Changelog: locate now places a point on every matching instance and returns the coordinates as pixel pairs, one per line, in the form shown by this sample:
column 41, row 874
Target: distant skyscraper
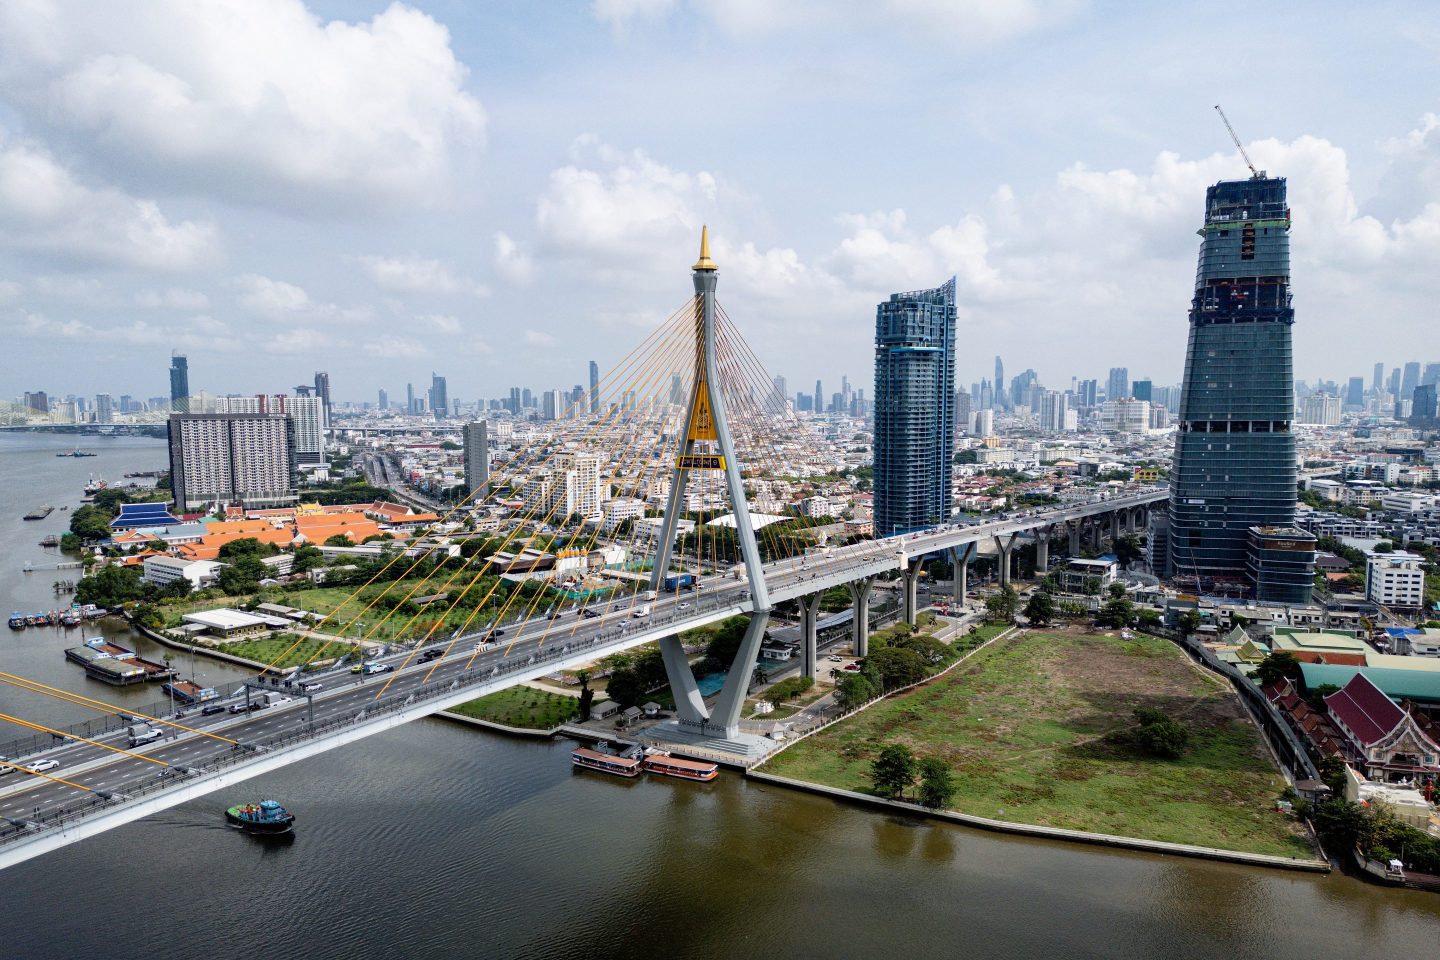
column 384, row 400
column 322, row 390
column 999, row 386
column 1378, row 380
column 439, row 399
column 782, row 393
column 1143, row 390
column 477, row 460
column 1089, row 394
column 551, row 405
column 1053, row 407
column 1410, row 379
column 819, row 398
column 1355, row 392
column 1392, row 382
column 1423, row 405
column 1118, row 386
column 594, row 387
column 1431, row 376
column 410, row 399
column 677, row 393
column 1234, row 466
column 104, row 408
column 37, row 402
column 179, row 383
column 962, row 410
column 914, row 409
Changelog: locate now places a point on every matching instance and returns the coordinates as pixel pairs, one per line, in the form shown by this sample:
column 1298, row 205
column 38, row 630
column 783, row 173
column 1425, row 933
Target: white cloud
column 282, row 302
column 513, row 264
column 173, row 298
column 258, row 99
column 417, row 275
column 441, row 323
column 197, row 332
column 395, row 348
column 46, row 211
column 962, row 22
column 10, row 291
column 536, row 338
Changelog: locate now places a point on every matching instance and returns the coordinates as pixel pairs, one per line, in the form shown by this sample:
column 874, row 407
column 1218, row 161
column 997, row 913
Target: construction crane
column 1257, row 174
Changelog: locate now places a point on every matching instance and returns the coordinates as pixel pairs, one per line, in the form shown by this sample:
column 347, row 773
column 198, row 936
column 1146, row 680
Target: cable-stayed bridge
column 689, row 419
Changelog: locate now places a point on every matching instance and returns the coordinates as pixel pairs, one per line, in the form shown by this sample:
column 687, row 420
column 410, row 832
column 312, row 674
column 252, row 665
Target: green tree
column 896, row 667
column 148, row 615
column 241, row 575
column 932, row 651
column 337, row 540
column 1160, row 735
column 1040, row 608
column 1128, row 550
column 1000, row 607
column 937, row 784
column 893, row 771
column 1276, row 667
column 1118, row 612
column 110, row 586
column 90, row 523
column 1189, row 622
column 1117, row 590
column 587, row 696
column 307, row 558
column 852, row 690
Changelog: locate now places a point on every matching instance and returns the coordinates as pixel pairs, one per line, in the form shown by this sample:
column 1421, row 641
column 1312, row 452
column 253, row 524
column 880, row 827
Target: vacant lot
column 286, row 647
column 1035, row 729
column 523, row 707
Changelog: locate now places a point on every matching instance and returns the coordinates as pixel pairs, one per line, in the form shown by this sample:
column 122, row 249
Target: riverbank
column 1035, row 732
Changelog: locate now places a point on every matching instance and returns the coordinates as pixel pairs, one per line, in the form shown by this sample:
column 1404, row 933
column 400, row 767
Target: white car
column 835, row 658
column 40, row 766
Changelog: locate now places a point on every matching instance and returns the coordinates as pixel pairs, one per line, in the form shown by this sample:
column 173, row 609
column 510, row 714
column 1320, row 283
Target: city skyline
column 145, row 246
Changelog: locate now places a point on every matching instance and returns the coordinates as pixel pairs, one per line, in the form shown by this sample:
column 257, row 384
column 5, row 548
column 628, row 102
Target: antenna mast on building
column 1256, row 174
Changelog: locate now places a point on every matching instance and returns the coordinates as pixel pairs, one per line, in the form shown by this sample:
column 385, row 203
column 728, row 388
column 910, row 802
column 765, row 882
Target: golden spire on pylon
column 705, row 263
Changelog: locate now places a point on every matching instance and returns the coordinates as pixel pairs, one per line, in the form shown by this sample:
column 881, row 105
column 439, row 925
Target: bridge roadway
column 40, row 815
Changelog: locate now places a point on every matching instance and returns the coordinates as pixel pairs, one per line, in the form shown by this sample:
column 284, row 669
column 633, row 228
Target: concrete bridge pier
column 1075, row 527
column 1116, row 525
column 1042, row 551
column 1006, row 547
column 689, row 703
column 960, row 558
column 910, row 582
column 809, row 627
column 860, row 598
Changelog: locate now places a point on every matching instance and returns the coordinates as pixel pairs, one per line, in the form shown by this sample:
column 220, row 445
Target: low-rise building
column 1395, row 579
column 161, row 569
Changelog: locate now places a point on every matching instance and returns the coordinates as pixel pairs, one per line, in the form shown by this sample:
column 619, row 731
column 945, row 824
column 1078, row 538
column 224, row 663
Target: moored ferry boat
column 606, row 762
column 266, row 817
column 662, row 762
column 17, row 621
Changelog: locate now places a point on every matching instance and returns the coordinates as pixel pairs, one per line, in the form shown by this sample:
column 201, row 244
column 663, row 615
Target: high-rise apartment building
column 1143, row 390
column 104, row 408
column 477, row 460
column 914, row 409
column 1377, row 380
column 572, row 489
column 782, row 394
column 305, row 412
column 1321, row 410
column 383, row 400
column 322, row 390
column 1117, row 386
column 552, row 405
column 1234, row 465
column 1053, row 409
column 228, row 457
column 439, row 398
column 594, row 387
column 179, row 383
column 410, row 407
column 962, row 410
column 37, row 402
column 1423, row 405
column 1355, row 392
column 1126, row 415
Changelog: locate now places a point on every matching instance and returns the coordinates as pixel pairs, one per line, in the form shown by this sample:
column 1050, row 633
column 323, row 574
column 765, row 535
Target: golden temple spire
column 705, row 263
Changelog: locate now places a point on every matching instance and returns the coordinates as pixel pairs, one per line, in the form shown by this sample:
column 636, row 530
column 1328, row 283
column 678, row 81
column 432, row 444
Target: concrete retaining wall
column 1049, row 833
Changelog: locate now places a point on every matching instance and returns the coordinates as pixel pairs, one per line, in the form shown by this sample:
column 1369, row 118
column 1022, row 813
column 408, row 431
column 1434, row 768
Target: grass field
column 523, row 707
column 266, row 649
column 1034, row 729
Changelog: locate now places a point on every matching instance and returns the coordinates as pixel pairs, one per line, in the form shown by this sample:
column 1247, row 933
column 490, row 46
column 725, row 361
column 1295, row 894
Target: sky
column 502, row 191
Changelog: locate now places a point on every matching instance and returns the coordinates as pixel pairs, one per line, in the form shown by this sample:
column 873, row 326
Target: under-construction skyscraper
column 1234, row 466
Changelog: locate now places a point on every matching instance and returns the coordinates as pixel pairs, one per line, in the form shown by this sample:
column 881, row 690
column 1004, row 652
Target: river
column 437, row 841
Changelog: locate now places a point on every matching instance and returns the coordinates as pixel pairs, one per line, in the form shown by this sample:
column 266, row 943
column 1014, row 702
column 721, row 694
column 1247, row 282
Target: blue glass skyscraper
column 1234, row 463
column 914, row 409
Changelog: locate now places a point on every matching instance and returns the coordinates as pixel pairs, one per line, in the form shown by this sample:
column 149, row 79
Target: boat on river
column 667, row 764
column 77, row 452
column 17, row 621
column 266, row 818
column 40, row 512
column 626, row 764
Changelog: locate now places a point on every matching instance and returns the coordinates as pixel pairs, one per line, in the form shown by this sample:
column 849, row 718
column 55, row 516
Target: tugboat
column 267, row 818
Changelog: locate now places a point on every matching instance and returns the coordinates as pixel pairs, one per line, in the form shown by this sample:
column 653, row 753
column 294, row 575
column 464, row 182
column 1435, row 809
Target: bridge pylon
column 709, row 446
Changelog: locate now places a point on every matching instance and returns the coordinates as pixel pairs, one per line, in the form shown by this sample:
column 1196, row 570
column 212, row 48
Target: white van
column 143, row 733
